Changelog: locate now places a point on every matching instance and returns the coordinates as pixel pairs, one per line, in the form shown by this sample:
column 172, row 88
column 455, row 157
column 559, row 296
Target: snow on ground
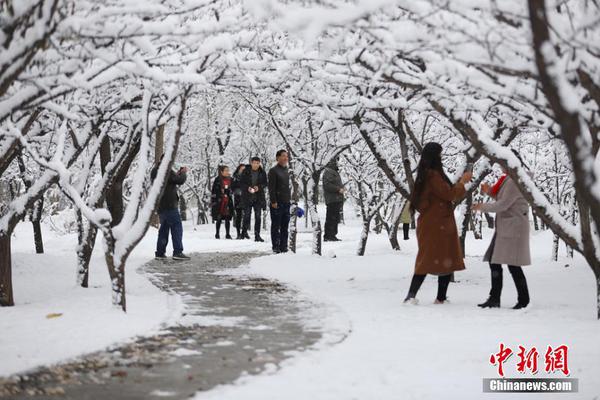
column 397, row 351
column 391, row 350
column 45, row 284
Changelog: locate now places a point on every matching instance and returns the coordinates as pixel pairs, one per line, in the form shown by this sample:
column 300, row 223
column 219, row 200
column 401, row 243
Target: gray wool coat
column 510, row 244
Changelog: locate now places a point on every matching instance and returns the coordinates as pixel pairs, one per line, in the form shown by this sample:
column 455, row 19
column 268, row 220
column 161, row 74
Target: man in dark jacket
column 170, row 219
column 253, row 183
column 280, row 196
column 333, row 189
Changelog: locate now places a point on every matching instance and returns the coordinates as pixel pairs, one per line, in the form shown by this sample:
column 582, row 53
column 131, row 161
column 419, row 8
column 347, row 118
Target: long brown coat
column 510, row 244
column 437, row 236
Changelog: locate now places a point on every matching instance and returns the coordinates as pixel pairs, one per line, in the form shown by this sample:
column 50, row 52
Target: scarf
column 496, row 188
column 223, row 207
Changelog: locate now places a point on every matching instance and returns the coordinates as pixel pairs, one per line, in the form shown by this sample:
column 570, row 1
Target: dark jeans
column 406, row 229
column 417, row 281
column 170, row 220
column 257, row 214
column 332, row 219
column 518, row 277
column 280, row 220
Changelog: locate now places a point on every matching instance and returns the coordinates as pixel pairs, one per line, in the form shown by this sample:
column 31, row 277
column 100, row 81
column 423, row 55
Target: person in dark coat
column 169, row 216
column 253, row 185
column 510, row 244
column 222, row 201
column 437, row 236
column 333, row 190
column 280, row 196
column 238, row 204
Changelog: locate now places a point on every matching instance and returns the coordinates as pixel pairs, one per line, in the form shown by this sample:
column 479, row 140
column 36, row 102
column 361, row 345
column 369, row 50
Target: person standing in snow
column 236, row 185
column 406, row 219
column 437, row 236
column 333, row 190
column 253, row 184
column 222, row 201
column 169, row 216
column 280, row 196
column 510, row 243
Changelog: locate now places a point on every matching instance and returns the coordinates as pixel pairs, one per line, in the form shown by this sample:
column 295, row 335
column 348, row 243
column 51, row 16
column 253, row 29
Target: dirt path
column 232, row 326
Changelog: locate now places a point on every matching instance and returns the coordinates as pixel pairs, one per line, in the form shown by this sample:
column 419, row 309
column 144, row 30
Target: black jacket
column 332, row 183
column 170, row 197
column 246, row 182
column 218, row 191
column 237, row 190
column 279, row 185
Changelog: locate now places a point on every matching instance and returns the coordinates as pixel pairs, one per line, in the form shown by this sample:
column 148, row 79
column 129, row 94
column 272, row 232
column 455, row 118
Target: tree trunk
column 115, row 272
column 598, row 294
column 393, row 235
column 86, row 240
column 36, row 217
column 555, row 243
column 364, row 236
column 317, row 245
column 183, row 208
column 536, row 225
column 6, row 289
column 465, row 222
column 159, row 149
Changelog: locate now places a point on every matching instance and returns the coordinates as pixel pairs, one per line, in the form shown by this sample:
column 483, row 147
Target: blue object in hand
column 299, row 212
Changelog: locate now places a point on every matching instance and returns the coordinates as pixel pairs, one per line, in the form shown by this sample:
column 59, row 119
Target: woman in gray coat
column 510, row 244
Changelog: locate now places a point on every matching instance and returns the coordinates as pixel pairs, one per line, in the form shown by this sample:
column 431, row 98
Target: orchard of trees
column 93, row 94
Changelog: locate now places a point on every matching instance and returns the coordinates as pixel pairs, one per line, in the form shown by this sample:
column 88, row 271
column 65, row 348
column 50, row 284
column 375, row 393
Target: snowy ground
column 397, row 351
column 45, row 284
column 389, row 350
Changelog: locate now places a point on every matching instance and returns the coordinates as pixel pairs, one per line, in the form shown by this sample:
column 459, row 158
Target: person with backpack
column 222, row 201
column 253, row 184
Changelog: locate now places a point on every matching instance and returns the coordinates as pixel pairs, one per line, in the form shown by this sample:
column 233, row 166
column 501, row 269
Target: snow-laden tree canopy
column 93, row 94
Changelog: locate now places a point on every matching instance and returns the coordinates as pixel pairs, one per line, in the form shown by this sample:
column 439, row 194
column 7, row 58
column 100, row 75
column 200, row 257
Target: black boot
column 494, row 300
column 227, row 229
column 257, row 238
column 490, row 303
column 218, row 226
column 521, row 285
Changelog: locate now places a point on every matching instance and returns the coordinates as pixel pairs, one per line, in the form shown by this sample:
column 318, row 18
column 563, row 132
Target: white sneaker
column 414, row 301
column 441, row 302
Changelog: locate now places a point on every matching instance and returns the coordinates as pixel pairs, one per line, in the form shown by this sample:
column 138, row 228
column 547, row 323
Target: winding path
column 233, row 325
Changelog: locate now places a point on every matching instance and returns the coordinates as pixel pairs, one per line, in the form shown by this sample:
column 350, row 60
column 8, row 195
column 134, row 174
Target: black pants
column 239, row 216
column 406, row 229
column 227, row 224
column 518, row 277
column 417, row 281
column 332, row 219
column 257, row 214
column 280, row 221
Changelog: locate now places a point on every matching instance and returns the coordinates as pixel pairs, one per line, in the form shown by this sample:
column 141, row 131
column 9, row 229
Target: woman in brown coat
column 510, row 244
column 439, row 248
